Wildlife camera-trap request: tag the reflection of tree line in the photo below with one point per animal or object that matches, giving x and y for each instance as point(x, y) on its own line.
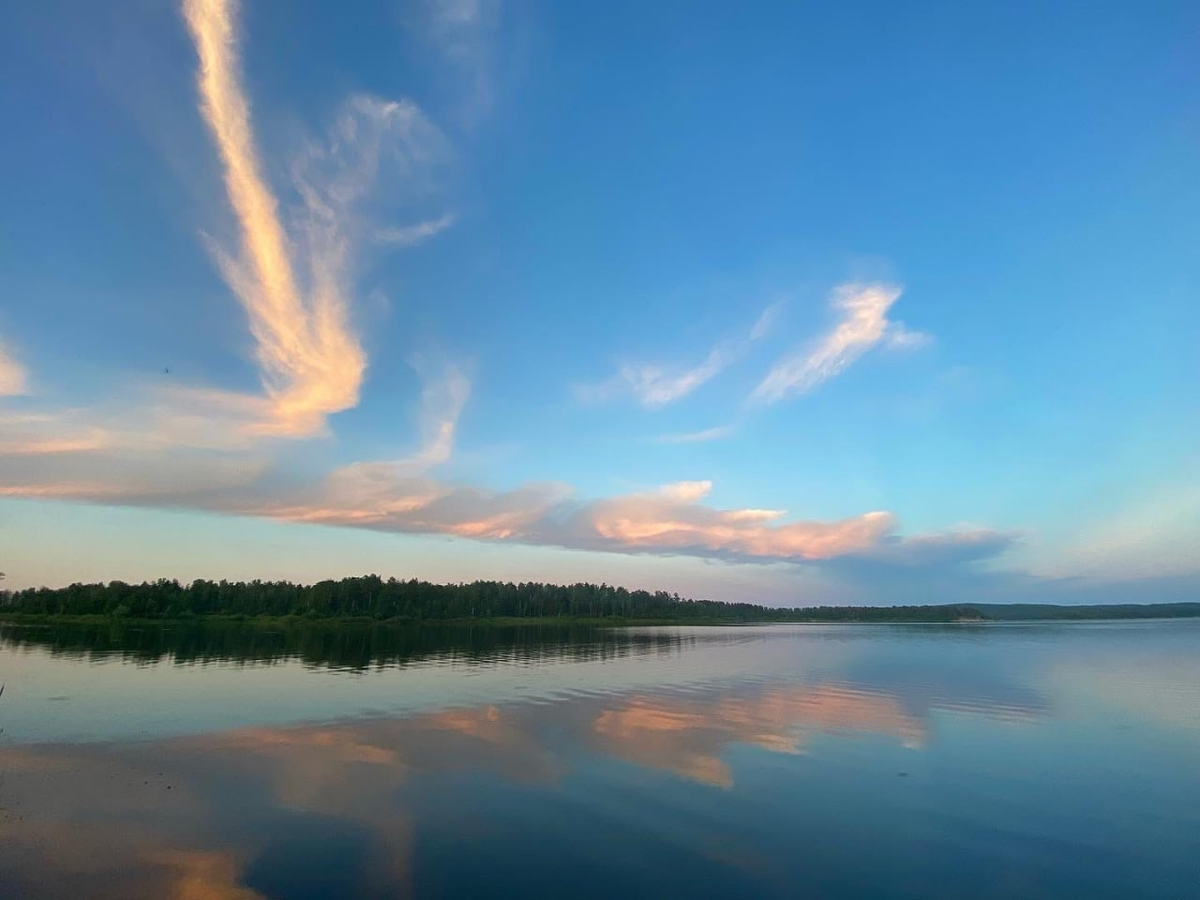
point(376, 598)
point(335, 646)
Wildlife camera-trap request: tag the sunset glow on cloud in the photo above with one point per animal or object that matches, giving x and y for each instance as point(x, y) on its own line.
point(312, 365)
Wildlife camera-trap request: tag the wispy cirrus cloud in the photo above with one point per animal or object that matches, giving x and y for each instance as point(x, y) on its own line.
point(312, 364)
point(14, 379)
point(462, 33)
point(717, 433)
point(409, 235)
point(311, 360)
point(290, 268)
point(445, 393)
point(654, 385)
point(862, 323)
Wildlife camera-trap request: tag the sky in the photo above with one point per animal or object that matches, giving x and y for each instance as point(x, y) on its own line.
point(794, 303)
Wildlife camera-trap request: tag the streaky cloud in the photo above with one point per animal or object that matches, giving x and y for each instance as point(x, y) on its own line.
point(655, 386)
point(900, 337)
point(409, 235)
point(717, 433)
point(862, 323)
point(672, 519)
point(462, 32)
point(374, 153)
point(312, 365)
point(380, 496)
point(445, 393)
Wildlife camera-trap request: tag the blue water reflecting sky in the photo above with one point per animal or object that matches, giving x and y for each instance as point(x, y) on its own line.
point(1055, 761)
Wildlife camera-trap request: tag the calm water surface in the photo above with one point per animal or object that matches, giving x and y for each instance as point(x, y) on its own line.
point(826, 761)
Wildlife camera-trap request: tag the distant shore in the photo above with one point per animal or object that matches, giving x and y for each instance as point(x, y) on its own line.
point(401, 622)
point(1025, 614)
point(372, 599)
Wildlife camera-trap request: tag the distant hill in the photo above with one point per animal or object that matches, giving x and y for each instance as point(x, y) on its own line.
point(1035, 612)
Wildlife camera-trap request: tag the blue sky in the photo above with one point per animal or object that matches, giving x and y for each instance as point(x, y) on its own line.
point(797, 303)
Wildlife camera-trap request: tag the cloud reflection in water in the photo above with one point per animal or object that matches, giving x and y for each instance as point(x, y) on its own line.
point(245, 813)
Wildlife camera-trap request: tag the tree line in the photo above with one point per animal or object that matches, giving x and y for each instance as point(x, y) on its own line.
point(373, 597)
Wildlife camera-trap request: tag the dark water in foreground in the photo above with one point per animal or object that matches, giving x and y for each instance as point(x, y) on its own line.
point(795, 761)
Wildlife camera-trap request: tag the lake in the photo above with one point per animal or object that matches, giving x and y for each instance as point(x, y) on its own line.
point(981, 761)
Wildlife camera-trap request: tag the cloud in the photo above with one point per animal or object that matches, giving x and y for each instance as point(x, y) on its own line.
point(718, 433)
point(13, 377)
point(655, 386)
point(673, 520)
point(410, 235)
point(380, 496)
point(462, 32)
point(862, 323)
point(194, 480)
point(312, 365)
point(37, 433)
point(443, 396)
point(899, 337)
point(766, 321)
point(942, 549)
point(376, 157)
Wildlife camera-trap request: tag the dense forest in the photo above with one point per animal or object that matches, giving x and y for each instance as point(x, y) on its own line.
point(372, 597)
point(377, 599)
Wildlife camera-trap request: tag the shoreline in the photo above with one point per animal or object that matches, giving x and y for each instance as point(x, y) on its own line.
point(504, 622)
point(480, 621)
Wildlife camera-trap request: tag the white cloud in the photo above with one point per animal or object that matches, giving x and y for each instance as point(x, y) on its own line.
point(444, 393)
point(655, 386)
point(463, 33)
point(862, 323)
point(899, 337)
point(718, 433)
point(408, 235)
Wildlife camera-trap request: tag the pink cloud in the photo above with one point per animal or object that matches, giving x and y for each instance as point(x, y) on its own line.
point(673, 519)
